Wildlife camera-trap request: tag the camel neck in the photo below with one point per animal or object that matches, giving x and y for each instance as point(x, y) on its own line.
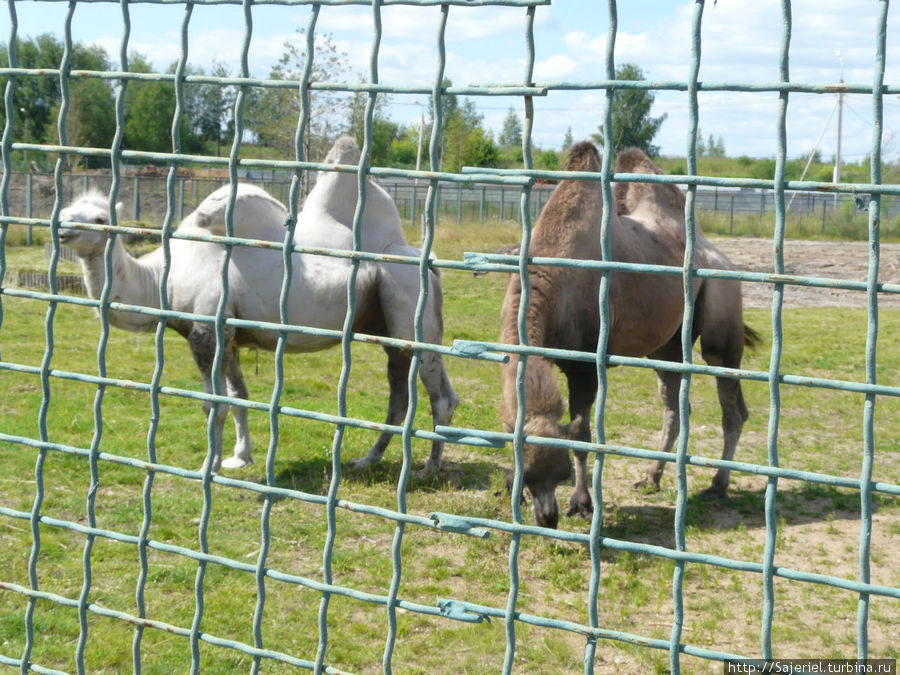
point(134, 282)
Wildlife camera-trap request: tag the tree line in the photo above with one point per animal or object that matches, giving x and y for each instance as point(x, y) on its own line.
point(270, 114)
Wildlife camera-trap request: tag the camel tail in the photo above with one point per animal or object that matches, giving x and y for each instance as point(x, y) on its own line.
point(752, 339)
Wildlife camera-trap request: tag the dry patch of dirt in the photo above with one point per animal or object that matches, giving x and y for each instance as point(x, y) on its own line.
point(847, 260)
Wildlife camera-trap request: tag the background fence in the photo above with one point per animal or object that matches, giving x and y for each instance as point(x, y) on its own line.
point(143, 195)
point(85, 594)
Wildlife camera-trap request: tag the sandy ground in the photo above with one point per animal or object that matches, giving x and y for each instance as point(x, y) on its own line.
point(835, 260)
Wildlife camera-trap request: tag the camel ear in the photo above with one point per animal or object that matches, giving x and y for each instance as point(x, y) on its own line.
point(570, 430)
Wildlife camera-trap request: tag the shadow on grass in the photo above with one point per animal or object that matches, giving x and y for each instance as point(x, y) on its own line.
point(314, 476)
point(807, 503)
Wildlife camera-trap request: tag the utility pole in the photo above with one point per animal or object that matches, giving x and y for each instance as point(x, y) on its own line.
point(837, 160)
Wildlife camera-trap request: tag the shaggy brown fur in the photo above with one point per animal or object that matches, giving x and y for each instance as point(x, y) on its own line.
point(645, 312)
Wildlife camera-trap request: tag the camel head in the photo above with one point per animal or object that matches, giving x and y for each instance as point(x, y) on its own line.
point(344, 151)
point(631, 196)
point(583, 156)
point(91, 207)
point(546, 467)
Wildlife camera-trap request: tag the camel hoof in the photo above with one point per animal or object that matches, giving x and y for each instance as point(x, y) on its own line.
point(646, 485)
point(236, 463)
point(427, 472)
point(214, 472)
point(360, 463)
point(580, 507)
point(715, 491)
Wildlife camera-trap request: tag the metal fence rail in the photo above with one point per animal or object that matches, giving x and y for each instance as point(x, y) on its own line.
point(527, 197)
point(143, 195)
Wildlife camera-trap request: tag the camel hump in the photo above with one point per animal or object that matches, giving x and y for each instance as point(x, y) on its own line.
point(583, 156)
point(257, 214)
point(344, 151)
point(628, 195)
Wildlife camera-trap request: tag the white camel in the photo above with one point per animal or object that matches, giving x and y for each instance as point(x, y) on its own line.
point(386, 293)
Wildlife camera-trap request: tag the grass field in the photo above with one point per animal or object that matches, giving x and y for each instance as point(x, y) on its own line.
point(818, 530)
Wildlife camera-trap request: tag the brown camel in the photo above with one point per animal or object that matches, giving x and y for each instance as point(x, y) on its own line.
point(645, 313)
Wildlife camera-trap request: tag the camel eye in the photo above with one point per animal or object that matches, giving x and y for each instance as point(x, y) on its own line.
point(98, 220)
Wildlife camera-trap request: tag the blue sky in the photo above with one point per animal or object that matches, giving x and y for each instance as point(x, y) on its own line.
point(486, 45)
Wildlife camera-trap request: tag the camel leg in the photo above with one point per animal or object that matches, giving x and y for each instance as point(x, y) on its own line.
point(722, 344)
point(443, 403)
point(237, 388)
point(398, 402)
point(202, 341)
point(582, 392)
point(668, 384)
point(734, 414)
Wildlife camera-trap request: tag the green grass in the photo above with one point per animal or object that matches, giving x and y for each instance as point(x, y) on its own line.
point(819, 431)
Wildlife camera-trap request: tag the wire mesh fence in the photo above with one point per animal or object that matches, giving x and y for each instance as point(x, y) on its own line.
point(324, 592)
point(143, 192)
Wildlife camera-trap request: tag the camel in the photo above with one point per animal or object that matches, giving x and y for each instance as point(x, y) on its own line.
point(387, 293)
point(645, 315)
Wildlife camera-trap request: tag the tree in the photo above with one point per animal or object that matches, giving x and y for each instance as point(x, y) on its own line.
point(275, 115)
point(35, 98)
point(384, 130)
point(547, 159)
point(632, 124)
point(715, 148)
point(511, 135)
point(211, 106)
point(91, 118)
point(568, 141)
point(466, 143)
point(150, 110)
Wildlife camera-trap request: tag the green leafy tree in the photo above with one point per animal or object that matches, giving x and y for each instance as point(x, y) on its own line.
point(568, 140)
point(36, 99)
point(150, 110)
point(405, 147)
point(91, 118)
point(466, 142)
point(547, 159)
point(384, 130)
point(275, 113)
point(511, 135)
point(632, 124)
point(211, 107)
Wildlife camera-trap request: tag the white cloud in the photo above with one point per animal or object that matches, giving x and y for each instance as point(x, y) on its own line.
point(557, 66)
point(740, 43)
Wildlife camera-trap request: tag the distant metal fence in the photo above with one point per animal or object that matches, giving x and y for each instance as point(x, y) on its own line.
point(522, 181)
point(143, 196)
